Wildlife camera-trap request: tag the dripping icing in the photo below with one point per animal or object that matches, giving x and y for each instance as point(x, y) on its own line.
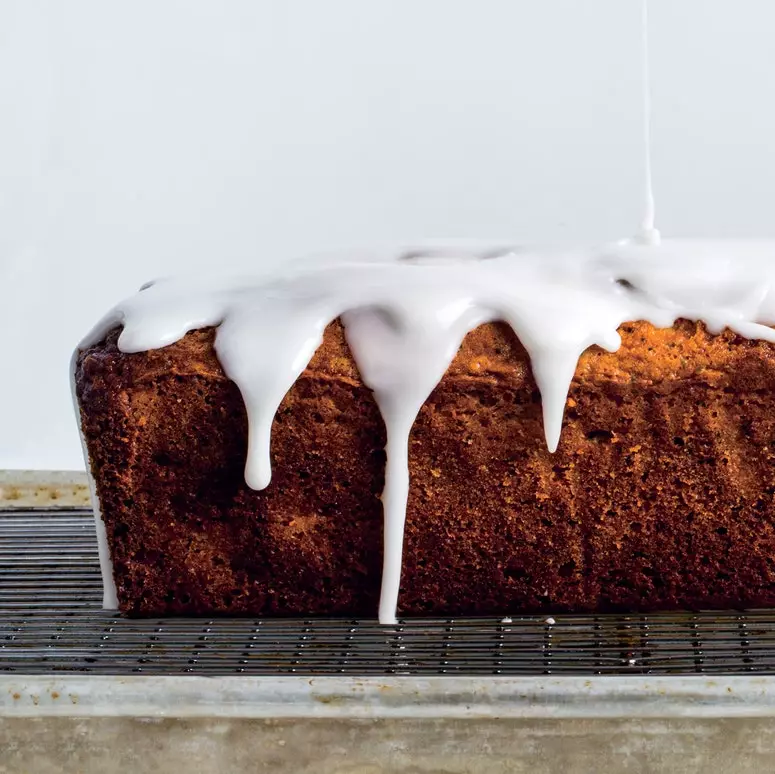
point(406, 318)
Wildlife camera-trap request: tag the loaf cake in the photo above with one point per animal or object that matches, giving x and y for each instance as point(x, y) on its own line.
point(589, 431)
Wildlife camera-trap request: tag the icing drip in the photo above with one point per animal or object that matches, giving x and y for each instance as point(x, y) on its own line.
point(109, 594)
point(402, 352)
point(406, 316)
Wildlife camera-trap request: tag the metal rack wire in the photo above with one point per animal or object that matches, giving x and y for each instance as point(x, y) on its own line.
point(51, 622)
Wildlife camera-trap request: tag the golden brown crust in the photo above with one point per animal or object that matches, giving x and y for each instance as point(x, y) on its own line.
point(659, 496)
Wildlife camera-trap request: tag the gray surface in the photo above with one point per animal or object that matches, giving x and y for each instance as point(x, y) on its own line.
point(204, 746)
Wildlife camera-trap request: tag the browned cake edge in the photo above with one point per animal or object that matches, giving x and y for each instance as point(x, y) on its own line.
point(660, 495)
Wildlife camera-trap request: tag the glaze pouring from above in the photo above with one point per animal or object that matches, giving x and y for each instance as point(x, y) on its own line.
point(406, 316)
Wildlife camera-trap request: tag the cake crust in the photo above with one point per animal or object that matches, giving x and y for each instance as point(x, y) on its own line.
point(660, 495)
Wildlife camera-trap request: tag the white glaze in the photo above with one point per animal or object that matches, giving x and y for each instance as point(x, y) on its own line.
point(406, 316)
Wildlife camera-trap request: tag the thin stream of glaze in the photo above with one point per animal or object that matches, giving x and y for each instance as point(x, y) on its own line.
point(648, 233)
point(406, 316)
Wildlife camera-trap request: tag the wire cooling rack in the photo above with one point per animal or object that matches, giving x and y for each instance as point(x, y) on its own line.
point(51, 622)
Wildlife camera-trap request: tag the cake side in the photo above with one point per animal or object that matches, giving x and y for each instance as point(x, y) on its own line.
point(664, 476)
point(109, 598)
point(167, 436)
point(659, 496)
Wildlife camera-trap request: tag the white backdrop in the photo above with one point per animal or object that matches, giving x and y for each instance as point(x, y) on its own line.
point(153, 137)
